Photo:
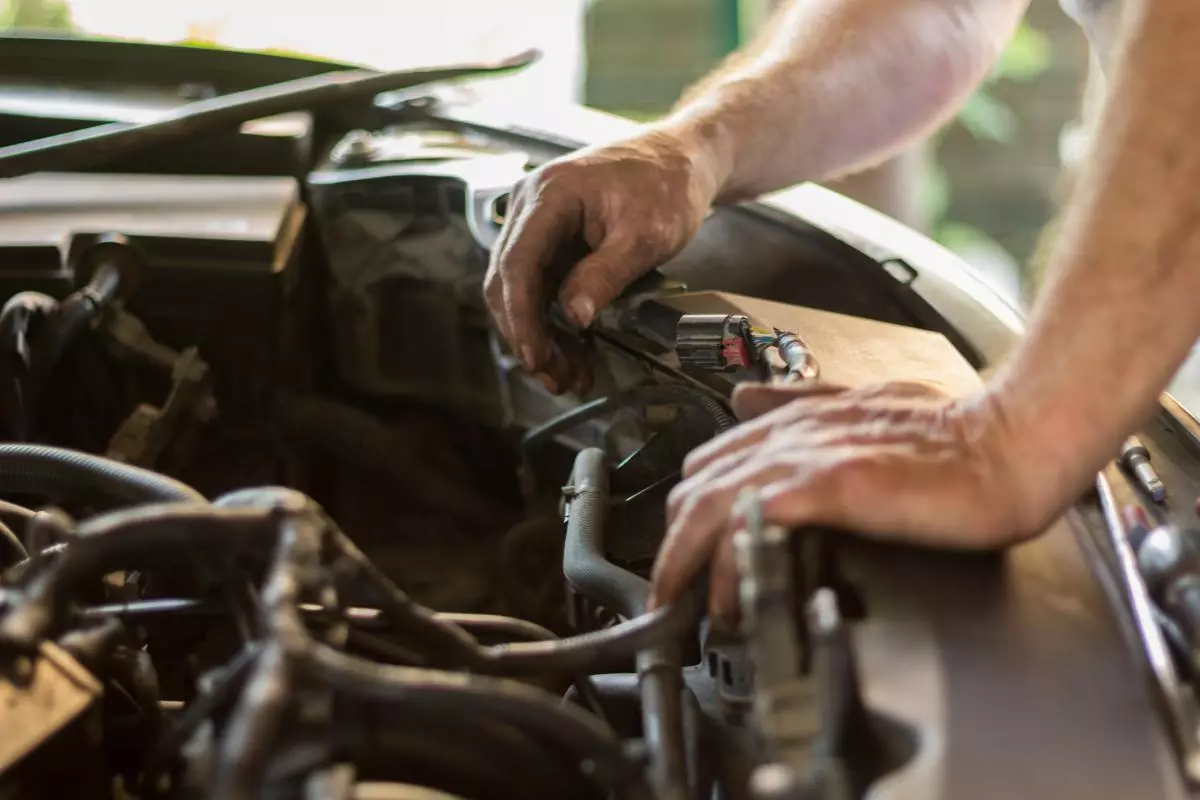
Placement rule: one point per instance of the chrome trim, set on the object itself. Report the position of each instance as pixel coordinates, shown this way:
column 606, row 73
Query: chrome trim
column 1178, row 697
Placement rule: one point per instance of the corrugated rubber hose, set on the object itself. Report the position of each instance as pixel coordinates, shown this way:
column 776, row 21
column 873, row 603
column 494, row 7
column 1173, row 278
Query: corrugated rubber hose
column 41, row 469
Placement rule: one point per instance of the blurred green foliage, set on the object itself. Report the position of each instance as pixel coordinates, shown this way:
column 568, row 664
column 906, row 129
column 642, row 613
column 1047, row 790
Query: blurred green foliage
column 35, row 15
column 1027, row 57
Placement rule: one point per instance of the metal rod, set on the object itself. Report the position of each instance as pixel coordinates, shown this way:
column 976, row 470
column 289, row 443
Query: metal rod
column 90, row 146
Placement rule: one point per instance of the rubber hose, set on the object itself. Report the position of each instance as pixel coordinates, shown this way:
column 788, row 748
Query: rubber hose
column 719, row 755
column 41, row 469
column 461, row 752
column 16, row 318
column 592, row 574
column 109, row 541
column 524, row 706
column 584, row 564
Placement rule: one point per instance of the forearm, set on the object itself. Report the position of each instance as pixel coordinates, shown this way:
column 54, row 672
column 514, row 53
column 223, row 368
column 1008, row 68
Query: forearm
column 1120, row 312
column 832, row 86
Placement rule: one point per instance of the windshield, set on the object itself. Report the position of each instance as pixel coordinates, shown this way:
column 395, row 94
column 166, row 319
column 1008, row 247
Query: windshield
column 386, row 34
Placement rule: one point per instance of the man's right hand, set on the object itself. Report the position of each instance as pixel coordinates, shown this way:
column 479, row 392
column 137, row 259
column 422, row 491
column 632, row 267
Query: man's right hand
column 634, row 204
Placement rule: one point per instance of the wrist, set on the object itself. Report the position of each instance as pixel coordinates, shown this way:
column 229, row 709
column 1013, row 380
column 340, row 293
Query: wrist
column 1038, row 464
column 706, row 144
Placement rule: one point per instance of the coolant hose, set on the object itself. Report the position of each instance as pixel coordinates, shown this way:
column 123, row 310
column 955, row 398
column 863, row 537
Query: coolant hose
column 621, row 591
column 584, row 564
column 41, row 469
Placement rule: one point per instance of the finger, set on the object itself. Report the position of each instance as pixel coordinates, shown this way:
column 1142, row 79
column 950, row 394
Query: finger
column 880, row 492
column 810, row 409
column 557, row 373
column 711, row 473
column 493, row 281
column 693, row 534
column 752, row 400
column 735, row 440
column 723, row 587
column 536, row 237
column 750, row 434
column 598, row 279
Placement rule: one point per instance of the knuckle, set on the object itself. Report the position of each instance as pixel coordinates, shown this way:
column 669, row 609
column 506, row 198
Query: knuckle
column 552, row 177
column 705, row 503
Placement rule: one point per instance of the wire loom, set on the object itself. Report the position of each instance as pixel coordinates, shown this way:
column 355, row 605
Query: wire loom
column 293, row 673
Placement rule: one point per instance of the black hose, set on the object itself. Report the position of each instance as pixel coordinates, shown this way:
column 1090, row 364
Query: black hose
column 108, row 541
column 19, row 318
column 227, row 685
column 497, row 624
column 638, row 397
column 449, row 644
column 264, row 708
column 524, row 629
column 585, row 737
column 256, row 723
column 661, row 679
column 456, row 750
column 586, row 652
column 584, row 564
column 41, row 469
column 593, row 575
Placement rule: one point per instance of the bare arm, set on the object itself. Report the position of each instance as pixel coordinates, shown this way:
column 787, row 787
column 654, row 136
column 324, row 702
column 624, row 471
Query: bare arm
column 1122, row 308
column 830, row 87
column 1112, row 326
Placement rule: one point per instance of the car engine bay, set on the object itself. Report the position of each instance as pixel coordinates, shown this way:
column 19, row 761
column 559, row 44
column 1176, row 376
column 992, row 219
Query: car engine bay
column 280, row 516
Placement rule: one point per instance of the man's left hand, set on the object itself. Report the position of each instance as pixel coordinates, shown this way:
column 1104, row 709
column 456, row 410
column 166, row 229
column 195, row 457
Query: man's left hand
column 897, row 461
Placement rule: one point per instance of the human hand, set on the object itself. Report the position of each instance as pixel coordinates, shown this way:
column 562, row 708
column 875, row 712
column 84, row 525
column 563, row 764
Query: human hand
column 896, row 461
column 634, row 204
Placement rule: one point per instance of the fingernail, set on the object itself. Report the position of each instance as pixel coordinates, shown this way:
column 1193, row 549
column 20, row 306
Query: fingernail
column 582, row 309
column 527, row 357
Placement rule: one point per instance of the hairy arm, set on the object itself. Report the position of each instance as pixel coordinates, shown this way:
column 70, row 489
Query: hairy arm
column 830, row 87
column 1120, row 311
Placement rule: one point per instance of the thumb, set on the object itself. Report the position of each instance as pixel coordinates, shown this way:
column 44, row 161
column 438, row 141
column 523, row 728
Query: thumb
column 597, row 280
column 752, row 400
